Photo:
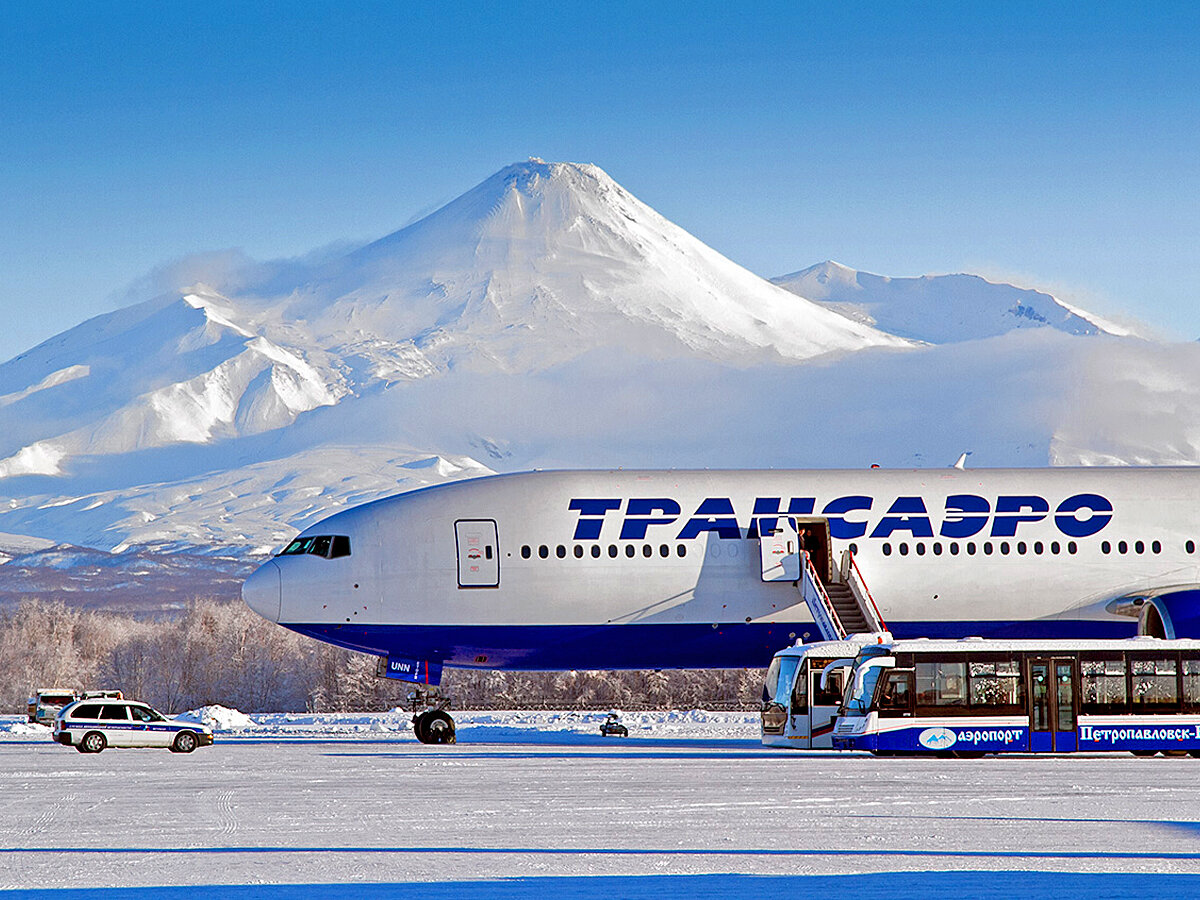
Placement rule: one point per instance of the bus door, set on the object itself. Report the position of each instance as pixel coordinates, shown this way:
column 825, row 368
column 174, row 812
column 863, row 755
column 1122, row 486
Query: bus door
column 823, row 708
column 1052, row 717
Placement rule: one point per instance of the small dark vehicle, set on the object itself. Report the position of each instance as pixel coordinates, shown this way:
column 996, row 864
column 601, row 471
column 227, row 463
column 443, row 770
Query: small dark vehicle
column 612, row 727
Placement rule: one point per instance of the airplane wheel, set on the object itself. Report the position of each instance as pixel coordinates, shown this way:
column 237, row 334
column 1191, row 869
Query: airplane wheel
column 439, row 728
column 418, row 723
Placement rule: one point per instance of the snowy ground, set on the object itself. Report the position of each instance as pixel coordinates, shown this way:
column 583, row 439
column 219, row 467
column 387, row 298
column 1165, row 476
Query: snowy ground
column 539, row 805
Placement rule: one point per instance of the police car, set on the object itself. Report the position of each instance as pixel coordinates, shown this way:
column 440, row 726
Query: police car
column 89, row 726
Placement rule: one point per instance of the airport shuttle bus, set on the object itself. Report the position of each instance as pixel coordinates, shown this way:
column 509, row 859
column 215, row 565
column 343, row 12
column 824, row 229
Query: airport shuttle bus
column 972, row 696
column 803, row 691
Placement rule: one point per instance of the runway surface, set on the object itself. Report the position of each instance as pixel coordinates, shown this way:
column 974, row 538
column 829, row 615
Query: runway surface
column 519, row 811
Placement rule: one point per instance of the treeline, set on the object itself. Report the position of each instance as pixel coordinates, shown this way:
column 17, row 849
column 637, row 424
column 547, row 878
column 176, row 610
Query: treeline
column 224, row 653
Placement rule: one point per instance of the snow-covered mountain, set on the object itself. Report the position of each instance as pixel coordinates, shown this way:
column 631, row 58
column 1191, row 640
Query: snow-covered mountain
column 940, row 309
column 545, row 318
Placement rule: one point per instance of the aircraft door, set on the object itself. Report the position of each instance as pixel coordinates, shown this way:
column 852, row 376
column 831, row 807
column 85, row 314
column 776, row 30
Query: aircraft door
column 478, row 553
column 780, row 553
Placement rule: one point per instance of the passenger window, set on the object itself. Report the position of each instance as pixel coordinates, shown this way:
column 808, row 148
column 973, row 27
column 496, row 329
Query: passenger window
column 114, row 711
column 87, row 711
column 1191, row 683
column 941, row 683
column 1102, row 686
column 681, row 550
column 996, row 684
column 630, row 550
column 612, row 551
column 595, row 551
column 1153, row 683
column 578, row 552
column 141, row 714
column 526, row 552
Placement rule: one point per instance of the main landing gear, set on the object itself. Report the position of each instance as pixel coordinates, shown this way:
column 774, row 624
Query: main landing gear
column 431, row 723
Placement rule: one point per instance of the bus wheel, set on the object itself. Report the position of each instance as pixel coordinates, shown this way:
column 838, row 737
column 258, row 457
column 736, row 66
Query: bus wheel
column 1174, row 753
column 1195, row 753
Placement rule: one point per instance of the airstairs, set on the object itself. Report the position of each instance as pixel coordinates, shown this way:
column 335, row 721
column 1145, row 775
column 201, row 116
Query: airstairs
column 840, row 604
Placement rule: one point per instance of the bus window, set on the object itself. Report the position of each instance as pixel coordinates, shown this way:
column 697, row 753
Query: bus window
column 1064, row 675
column 1191, row 683
column 1153, row 684
column 860, row 702
column 835, row 686
column 895, row 697
column 1102, row 686
column 779, row 679
column 995, row 685
column 800, row 694
column 941, row 683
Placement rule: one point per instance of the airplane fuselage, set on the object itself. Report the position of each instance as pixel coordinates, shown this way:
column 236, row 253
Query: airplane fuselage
column 661, row 569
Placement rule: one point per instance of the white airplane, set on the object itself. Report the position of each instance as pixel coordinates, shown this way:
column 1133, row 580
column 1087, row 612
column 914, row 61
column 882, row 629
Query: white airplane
column 694, row 569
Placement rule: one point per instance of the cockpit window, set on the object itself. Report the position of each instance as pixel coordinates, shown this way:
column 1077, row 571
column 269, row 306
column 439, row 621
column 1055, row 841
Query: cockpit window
column 330, row 546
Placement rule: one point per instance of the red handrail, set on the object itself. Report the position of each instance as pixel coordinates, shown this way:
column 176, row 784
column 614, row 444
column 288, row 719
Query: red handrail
column 825, row 601
column 867, row 591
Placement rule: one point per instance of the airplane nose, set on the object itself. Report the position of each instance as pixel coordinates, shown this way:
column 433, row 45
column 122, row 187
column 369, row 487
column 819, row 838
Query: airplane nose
column 261, row 591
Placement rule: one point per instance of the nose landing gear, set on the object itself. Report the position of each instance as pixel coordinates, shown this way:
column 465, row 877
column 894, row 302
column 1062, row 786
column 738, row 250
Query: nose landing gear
column 431, row 723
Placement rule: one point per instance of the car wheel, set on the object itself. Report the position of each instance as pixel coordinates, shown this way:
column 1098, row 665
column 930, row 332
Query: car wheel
column 439, row 728
column 185, row 742
column 93, row 742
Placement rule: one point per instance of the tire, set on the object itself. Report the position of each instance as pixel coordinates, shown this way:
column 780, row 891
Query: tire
column 185, row 742
column 418, row 723
column 93, row 742
column 439, row 728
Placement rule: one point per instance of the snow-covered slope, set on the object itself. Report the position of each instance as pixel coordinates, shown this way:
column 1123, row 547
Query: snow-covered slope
column 940, row 309
column 538, row 264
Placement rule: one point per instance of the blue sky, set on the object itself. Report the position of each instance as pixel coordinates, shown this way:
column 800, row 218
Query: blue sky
column 1053, row 144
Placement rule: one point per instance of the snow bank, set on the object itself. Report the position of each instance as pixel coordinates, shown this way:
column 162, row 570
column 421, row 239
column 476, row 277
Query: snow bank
column 500, row 726
column 219, row 718
column 21, row 727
